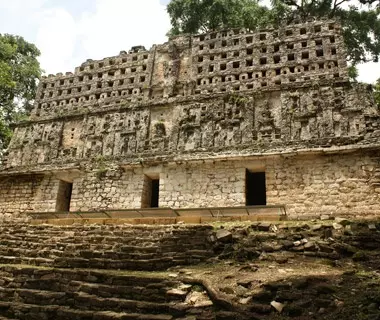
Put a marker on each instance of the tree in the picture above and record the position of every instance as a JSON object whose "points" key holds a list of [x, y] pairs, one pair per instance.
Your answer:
{"points": [[19, 74], [193, 16], [360, 22]]}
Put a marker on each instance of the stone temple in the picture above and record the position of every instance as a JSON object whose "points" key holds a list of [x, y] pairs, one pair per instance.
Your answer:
{"points": [[223, 119]]}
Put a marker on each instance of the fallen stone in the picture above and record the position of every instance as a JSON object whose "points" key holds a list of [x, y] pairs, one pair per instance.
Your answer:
{"points": [[325, 217], [310, 246], [324, 247], [223, 235], [241, 291], [244, 283], [287, 244], [177, 292], [173, 275], [273, 228], [245, 300], [203, 303], [277, 305], [343, 221], [316, 227], [372, 227], [198, 299], [337, 226], [297, 243], [185, 287]]}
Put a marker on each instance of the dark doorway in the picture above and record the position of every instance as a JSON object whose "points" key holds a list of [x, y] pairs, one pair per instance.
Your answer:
{"points": [[155, 193], [64, 196], [255, 191], [150, 195]]}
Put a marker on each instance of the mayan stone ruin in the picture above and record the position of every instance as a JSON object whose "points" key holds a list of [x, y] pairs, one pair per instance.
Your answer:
{"points": [[223, 119]]}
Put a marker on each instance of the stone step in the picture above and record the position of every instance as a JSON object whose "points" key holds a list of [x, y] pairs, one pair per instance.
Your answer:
{"points": [[52, 254], [26, 261], [81, 239], [126, 264], [47, 250], [26, 226], [119, 246], [151, 292], [101, 259], [83, 243], [26, 275], [156, 292], [84, 301], [29, 311], [65, 262], [99, 234]]}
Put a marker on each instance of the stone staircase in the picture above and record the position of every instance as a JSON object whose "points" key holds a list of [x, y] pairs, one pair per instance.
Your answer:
{"points": [[34, 293], [100, 272], [104, 246]]}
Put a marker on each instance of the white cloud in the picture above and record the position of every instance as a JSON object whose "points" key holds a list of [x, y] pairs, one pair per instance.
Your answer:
{"points": [[56, 39], [19, 17], [120, 24], [21, 5], [369, 72]]}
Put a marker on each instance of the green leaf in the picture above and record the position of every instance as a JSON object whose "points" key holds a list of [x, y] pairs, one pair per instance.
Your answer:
{"points": [[19, 74]]}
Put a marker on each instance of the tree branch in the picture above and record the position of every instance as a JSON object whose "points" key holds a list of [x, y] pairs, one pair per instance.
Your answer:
{"points": [[337, 4]]}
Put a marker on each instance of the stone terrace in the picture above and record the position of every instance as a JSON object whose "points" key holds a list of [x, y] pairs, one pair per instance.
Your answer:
{"points": [[68, 277], [104, 247]]}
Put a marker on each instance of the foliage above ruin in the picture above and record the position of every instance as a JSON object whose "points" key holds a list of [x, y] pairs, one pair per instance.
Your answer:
{"points": [[19, 74], [360, 22]]}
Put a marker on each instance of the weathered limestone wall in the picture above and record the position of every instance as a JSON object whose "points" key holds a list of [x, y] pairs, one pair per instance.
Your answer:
{"points": [[339, 184], [307, 185], [27, 193], [108, 190], [203, 185]]}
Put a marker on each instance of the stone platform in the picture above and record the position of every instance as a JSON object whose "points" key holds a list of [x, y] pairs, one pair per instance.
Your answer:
{"points": [[223, 271], [162, 216]]}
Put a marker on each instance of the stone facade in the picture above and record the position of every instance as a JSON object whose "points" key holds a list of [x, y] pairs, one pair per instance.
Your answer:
{"points": [[196, 113]]}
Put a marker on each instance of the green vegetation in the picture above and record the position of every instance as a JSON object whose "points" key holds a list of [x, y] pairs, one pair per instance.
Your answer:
{"points": [[19, 74], [360, 22]]}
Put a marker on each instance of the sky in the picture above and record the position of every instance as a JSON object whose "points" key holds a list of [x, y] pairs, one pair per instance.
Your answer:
{"points": [[68, 32]]}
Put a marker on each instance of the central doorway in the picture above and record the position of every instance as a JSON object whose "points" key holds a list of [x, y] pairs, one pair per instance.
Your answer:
{"points": [[255, 188], [151, 192], [65, 190]]}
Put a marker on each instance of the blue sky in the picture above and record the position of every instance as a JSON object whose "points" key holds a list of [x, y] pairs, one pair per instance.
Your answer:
{"points": [[68, 32]]}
